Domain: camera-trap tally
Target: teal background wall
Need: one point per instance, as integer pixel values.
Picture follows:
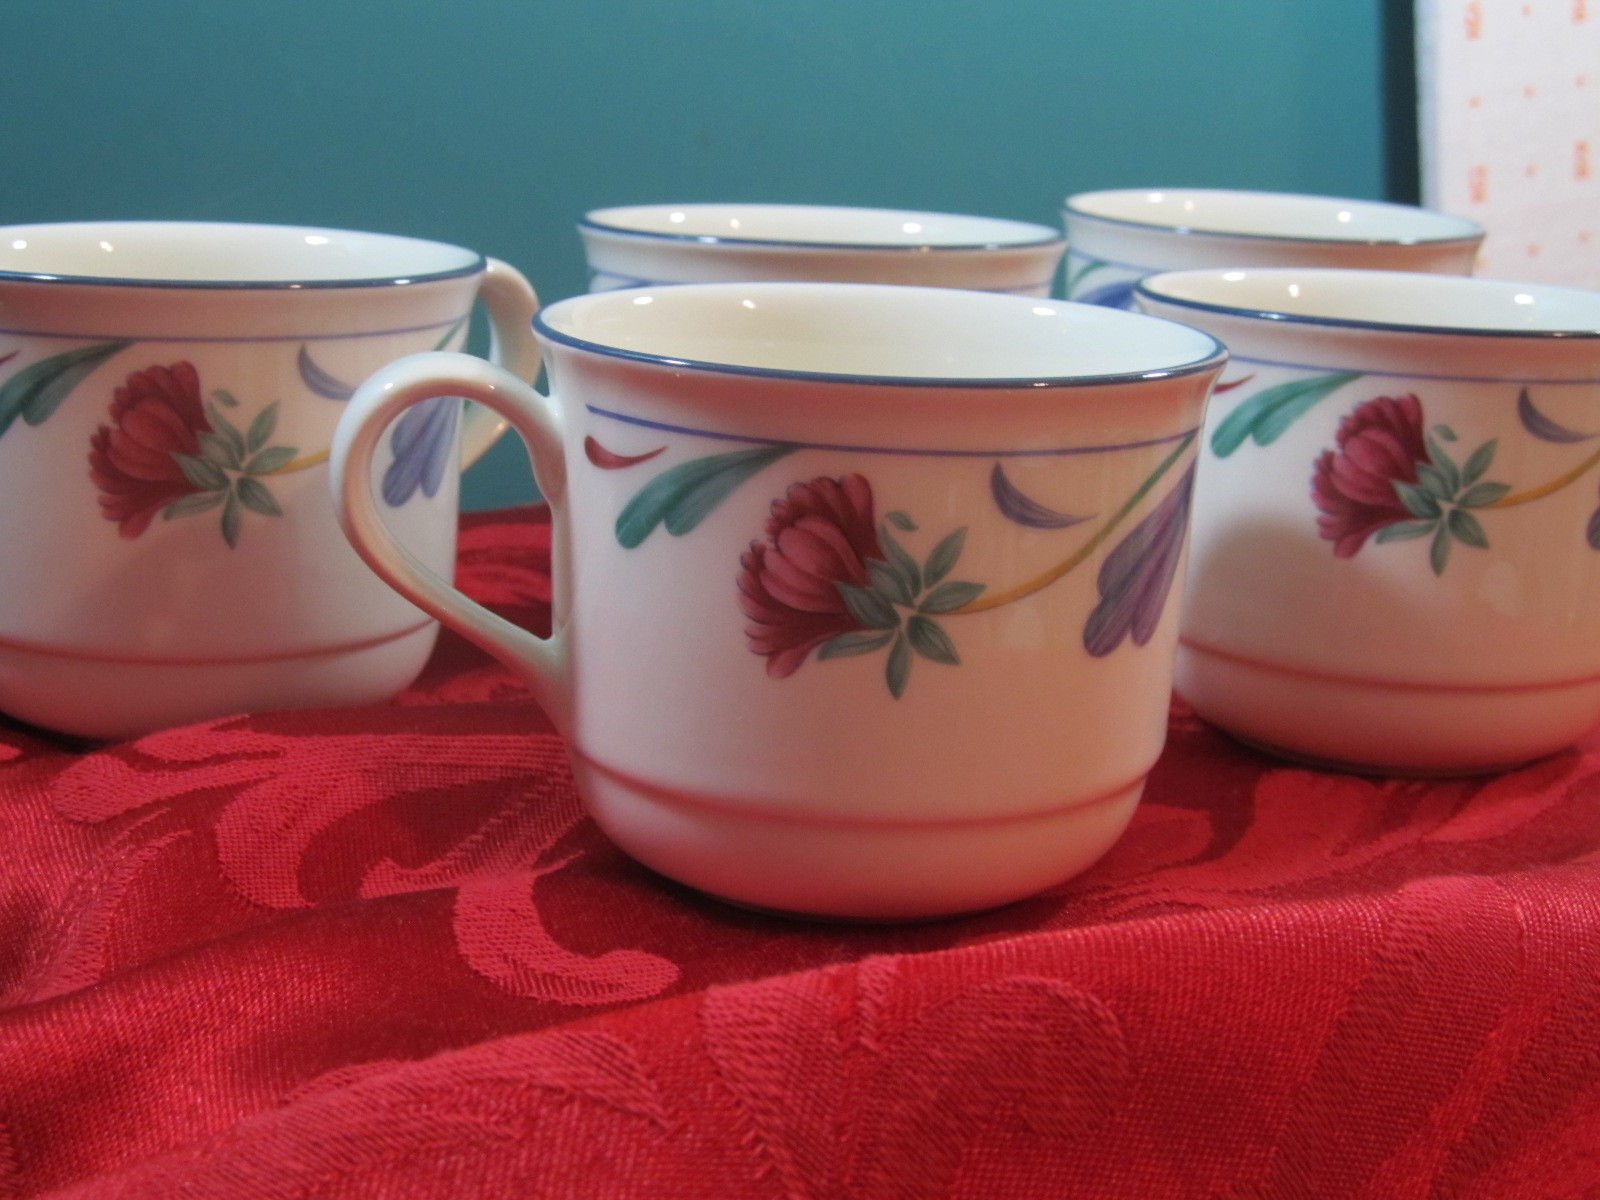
(494, 123)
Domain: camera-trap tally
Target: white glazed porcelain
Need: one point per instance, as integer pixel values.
(861, 592)
(168, 393)
(650, 245)
(1116, 238)
(1396, 559)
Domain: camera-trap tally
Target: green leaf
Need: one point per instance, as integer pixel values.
(1088, 267)
(219, 450)
(948, 597)
(34, 392)
(230, 521)
(1404, 531)
(1265, 415)
(1439, 552)
(847, 645)
(1480, 494)
(226, 398)
(1445, 432)
(199, 502)
(901, 521)
(225, 430)
(449, 334)
(1440, 458)
(273, 458)
(944, 557)
(1479, 462)
(201, 472)
(868, 608)
(898, 667)
(682, 496)
(1433, 482)
(902, 562)
(889, 583)
(261, 428)
(1468, 529)
(1418, 502)
(930, 641)
(256, 497)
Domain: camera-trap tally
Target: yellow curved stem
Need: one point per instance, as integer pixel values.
(1546, 489)
(1039, 582)
(301, 464)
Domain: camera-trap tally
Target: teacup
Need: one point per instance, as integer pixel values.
(1397, 528)
(651, 245)
(1116, 238)
(168, 393)
(861, 592)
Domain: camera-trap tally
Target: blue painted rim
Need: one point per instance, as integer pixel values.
(1215, 358)
(1068, 209)
(478, 264)
(1144, 291)
(587, 221)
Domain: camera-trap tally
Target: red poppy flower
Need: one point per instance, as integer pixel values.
(820, 534)
(155, 415)
(1380, 443)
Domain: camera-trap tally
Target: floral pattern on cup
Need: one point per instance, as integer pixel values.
(166, 451)
(830, 578)
(1389, 477)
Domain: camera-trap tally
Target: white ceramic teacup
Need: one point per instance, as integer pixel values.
(1397, 527)
(861, 592)
(650, 245)
(168, 393)
(1115, 238)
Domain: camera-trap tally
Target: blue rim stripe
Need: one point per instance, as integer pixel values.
(1064, 451)
(1068, 210)
(1274, 362)
(1143, 289)
(630, 281)
(183, 337)
(712, 239)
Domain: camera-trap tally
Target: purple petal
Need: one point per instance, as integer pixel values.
(1024, 510)
(1137, 576)
(1541, 426)
(319, 381)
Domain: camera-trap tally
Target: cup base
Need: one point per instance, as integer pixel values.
(1382, 727)
(853, 870)
(112, 699)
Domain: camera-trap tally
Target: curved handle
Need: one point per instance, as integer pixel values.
(376, 403)
(511, 304)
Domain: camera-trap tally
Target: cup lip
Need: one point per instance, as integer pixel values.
(1148, 289)
(1045, 236)
(477, 263)
(1071, 206)
(1214, 358)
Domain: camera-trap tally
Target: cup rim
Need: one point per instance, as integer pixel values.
(1214, 358)
(476, 262)
(1072, 206)
(1148, 288)
(1043, 235)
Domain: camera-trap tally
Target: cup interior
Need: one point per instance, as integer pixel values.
(1272, 215)
(816, 225)
(186, 253)
(876, 333)
(1385, 300)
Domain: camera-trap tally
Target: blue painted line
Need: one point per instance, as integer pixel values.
(183, 337)
(911, 451)
(1518, 379)
(630, 281)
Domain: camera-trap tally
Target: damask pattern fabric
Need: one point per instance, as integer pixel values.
(382, 952)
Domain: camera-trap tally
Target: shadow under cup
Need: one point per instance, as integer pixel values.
(862, 592)
(1396, 546)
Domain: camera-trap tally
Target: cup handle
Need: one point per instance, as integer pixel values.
(536, 418)
(510, 302)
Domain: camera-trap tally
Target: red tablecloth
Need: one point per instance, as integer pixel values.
(382, 952)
